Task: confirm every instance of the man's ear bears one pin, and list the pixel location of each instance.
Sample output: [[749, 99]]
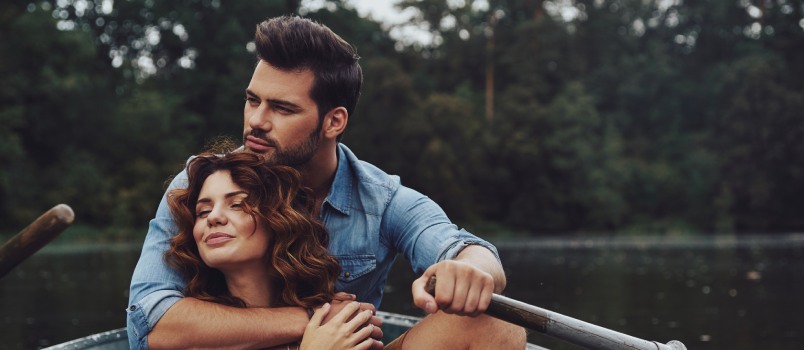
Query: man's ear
[[335, 122]]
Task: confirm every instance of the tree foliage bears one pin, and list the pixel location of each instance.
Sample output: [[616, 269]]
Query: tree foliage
[[544, 116]]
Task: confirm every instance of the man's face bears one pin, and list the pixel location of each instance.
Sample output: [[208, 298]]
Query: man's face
[[280, 118]]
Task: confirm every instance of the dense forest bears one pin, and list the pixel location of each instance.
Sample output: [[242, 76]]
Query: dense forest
[[531, 116]]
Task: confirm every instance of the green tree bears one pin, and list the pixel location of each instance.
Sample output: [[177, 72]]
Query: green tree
[[761, 159], [54, 97]]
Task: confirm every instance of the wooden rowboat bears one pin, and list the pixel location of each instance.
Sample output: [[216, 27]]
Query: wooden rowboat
[[393, 325]]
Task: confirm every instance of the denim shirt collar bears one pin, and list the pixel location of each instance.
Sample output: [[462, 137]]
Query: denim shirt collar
[[339, 197]]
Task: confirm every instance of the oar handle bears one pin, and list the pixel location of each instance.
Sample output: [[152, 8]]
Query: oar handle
[[34, 237], [563, 327]]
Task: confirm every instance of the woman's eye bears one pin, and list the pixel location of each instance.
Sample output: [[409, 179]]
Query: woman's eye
[[202, 214], [236, 205]]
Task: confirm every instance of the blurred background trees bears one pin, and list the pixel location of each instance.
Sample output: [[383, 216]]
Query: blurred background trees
[[535, 116]]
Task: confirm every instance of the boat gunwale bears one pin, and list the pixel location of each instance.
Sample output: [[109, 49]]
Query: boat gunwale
[[115, 336]]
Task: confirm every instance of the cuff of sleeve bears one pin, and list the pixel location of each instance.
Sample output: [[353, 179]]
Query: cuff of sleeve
[[142, 316], [455, 247]]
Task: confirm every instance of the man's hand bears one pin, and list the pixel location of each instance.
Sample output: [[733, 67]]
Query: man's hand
[[462, 289]]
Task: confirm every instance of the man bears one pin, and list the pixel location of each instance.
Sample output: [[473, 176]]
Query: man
[[298, 103]]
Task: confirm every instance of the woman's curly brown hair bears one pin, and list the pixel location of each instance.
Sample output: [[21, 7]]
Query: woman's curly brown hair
[[305, 271]]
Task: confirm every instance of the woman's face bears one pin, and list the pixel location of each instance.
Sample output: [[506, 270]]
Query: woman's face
[[227, 237]]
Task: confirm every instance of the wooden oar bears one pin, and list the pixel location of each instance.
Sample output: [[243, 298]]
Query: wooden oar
[[35, 236], [566, 328]]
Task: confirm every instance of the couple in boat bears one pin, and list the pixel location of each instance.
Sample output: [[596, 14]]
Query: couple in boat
[[286, 242]]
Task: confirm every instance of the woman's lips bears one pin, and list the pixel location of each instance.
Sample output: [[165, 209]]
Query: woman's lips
[[217, 238]]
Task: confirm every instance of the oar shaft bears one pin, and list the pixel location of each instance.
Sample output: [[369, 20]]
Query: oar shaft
[[34, 237], [566, 328], [569, 329]]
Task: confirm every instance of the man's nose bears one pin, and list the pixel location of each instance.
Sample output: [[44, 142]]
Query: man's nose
[[260, 119]]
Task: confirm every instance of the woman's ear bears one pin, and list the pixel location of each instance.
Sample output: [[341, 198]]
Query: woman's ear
[[335, 122]]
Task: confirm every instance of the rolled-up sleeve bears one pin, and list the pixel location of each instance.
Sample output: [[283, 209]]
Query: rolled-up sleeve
[[456, 243], [155, 286], [423, 233]]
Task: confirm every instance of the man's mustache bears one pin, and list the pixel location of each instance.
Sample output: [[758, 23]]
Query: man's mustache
[[261, 135]]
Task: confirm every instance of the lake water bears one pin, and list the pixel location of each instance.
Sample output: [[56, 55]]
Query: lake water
[[721, 292]]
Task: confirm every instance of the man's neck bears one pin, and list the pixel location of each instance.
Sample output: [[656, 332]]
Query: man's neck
[[319, 172]]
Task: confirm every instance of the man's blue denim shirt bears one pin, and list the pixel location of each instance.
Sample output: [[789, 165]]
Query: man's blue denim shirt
[[370, 217]]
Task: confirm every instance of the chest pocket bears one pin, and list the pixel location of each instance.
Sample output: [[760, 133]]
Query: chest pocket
[[355, 266]]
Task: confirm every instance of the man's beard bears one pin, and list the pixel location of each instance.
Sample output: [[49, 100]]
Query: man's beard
[[293, 156]]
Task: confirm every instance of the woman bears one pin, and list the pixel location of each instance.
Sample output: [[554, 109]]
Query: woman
[[247, 238]]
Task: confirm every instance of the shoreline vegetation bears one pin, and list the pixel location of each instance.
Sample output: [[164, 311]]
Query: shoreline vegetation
[[78, 238]]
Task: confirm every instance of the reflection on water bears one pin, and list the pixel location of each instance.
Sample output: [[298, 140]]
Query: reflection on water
[[710, 293], [65, 292]]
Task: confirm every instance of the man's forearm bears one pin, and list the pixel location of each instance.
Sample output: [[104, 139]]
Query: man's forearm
[[484, 260], [192, 323]]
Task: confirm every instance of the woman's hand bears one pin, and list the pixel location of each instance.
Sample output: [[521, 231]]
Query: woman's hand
[[348, 329]]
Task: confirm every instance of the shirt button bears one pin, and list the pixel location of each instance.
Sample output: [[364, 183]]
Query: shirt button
[[346, 274], [132, 308]]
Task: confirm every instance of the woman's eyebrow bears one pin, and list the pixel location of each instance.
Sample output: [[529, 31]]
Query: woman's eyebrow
[[235, 193], [227, 196]]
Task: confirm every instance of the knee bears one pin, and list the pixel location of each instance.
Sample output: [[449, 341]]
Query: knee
[[508, 335], [490, 333], [443, 331]]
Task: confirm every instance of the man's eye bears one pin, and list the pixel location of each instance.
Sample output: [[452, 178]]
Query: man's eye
[[283, 110]]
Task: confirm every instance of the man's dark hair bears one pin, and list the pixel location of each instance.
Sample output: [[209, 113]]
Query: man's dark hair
[[294, 43]]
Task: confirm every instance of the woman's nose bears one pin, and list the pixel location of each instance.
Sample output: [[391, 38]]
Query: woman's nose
[[216, 217]]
